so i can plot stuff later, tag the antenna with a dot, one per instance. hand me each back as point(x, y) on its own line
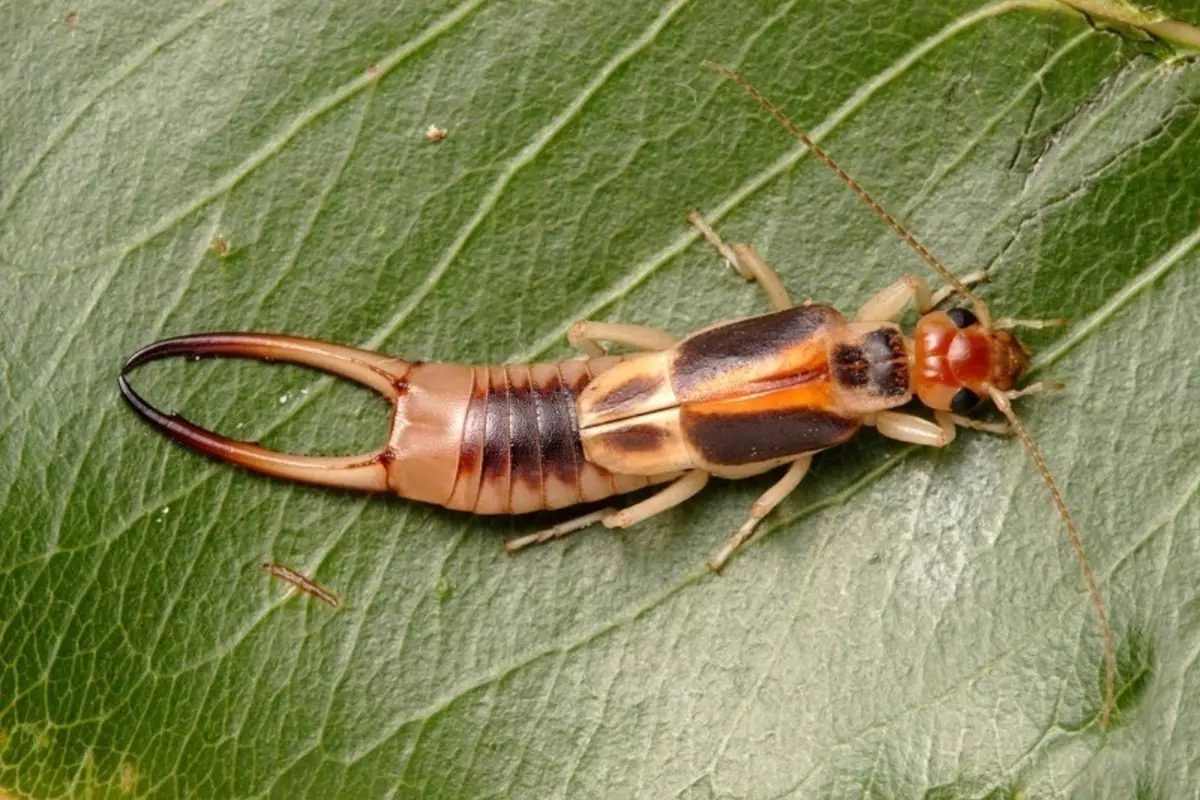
point(1089, 577)
point(814, 148)
point(998, 397)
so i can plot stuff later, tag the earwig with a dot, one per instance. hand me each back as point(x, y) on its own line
point(733, 400)
point(301, 582)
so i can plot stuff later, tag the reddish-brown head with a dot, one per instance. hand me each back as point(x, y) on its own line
point(957, 358)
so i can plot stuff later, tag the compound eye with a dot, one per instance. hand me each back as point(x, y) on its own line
point(963, 401)
point(962, 318)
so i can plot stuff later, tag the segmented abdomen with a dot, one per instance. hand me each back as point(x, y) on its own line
point(500, 439)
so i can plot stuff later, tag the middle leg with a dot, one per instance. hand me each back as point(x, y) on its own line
point(763, 506)
point(743, 260)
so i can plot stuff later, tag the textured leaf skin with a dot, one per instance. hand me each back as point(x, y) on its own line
point(911, 623)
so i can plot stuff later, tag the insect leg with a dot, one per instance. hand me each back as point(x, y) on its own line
point(762, 506)
point(1007, 323)
point(747, 263)
point(675, 493)
point(889, 303)
point(944, 293)
point(913, 429)
point(559, 530)
point(586, 335)
point(1036, 388)
point(998, 428)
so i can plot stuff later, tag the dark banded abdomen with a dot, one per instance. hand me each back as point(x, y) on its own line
point(501, 439)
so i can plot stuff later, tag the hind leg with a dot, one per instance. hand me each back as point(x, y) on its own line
point(676, 492)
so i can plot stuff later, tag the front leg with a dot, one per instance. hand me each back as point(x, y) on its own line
point(913, 429)
point(888, 305)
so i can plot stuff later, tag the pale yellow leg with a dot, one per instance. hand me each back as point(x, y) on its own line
point(888, 305)
point(586, 335)
point(762, 506)
point(916, 430)
point(747, 263)
point(559, 530)
point(944, 293)
point(998, 428)
point(675, 493)
point(1036, 388)
point(1007, 323)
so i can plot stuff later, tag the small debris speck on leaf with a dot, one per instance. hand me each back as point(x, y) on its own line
point(435, 134)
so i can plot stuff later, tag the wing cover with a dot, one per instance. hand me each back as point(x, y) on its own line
point(760, 389)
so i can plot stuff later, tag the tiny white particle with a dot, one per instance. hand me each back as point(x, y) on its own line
point(284, 398)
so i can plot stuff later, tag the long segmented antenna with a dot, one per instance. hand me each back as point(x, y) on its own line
point(998, 397)
point(814, 148)
point(1089, 577)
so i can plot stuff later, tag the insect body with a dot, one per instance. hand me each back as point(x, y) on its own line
point(734, 400)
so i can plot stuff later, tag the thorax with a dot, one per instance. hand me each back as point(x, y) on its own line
point(755, 391)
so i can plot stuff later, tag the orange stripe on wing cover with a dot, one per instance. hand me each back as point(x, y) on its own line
point(815, 395)
point(754, 355)
point(769, 425)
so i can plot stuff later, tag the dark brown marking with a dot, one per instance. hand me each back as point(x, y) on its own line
point(578, 387)
point(558, 431)
point(888, 355)
point(890, 379)
point(638, 388)
point(572, 397)
point(636, 438)
point(496, 453)
point(850, 366)
point(473, 425)
point(733, 440)
point(880, 363)
point(526, 459)
point(701, 358)
point(884, 344)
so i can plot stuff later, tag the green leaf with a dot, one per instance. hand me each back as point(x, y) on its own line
point(910, 622)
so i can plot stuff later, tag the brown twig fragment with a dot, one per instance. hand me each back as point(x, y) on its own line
point(301, 582)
